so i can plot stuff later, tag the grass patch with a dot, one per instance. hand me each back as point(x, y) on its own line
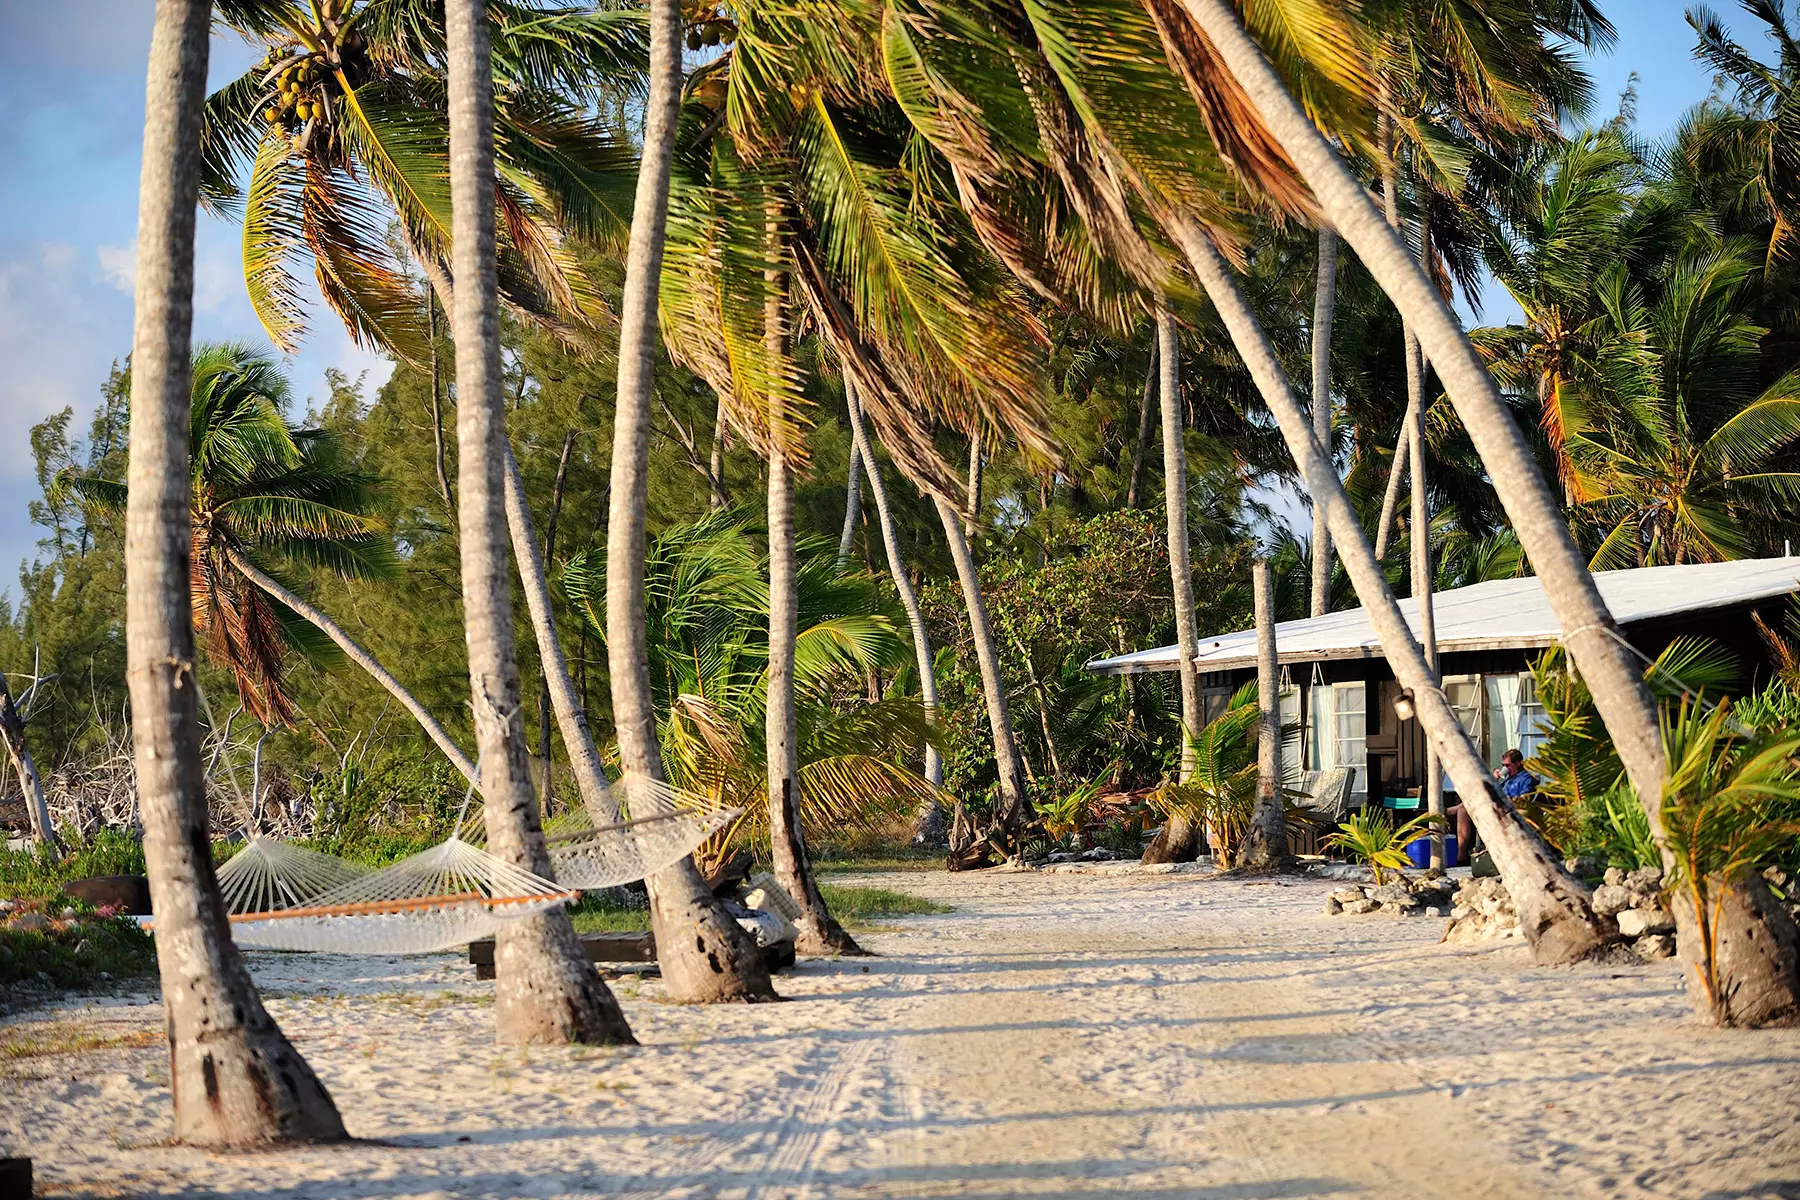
point(75, 952)
point(864, 907)
point(598, 912)
point(39, 1039)
point(40, 875)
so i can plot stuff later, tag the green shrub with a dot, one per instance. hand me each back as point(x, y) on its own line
point(75, 952)
point(40, 875)
point(1368, 837)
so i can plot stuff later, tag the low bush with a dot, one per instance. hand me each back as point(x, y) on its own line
point(72, 952)
point(40, 875)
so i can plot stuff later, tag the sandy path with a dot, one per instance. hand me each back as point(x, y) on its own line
point(1054, 1036)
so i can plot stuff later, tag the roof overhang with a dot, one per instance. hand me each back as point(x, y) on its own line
point(1501, 614)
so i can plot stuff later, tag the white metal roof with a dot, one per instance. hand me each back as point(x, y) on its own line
point(1502, 614)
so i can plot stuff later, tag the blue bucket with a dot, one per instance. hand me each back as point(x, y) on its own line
point(1420, 851)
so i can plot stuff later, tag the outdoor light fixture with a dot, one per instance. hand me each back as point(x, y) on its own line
point(1403, 707)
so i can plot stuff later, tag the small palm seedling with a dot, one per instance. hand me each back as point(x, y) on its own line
point(1731, 803)
point(1368, 837)
point(1065, 816)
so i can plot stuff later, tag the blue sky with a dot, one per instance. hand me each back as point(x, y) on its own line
point(72, 90)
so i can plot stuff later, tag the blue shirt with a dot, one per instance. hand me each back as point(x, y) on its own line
point(1522, 784)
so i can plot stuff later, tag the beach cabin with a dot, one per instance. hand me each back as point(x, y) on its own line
point(1337, 688)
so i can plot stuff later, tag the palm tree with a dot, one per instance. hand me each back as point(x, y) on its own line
point(1692, 467)
point(1014, 808)
point(709, 656)
point(1568, 232)
point(1324, 310)
point(909, 603)
point(1761, 129)
point(264, 493)
point(1158, 158)
point(342, 125)
point(704, 955)
point(546, 991)
point(1178, 840)
point(1593, 640)
point(236, 1079)
point(804, 187)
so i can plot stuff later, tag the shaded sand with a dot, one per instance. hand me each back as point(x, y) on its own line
point(1056, 1035)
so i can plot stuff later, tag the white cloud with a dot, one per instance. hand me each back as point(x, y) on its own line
point(215, 272)
point(118, 266)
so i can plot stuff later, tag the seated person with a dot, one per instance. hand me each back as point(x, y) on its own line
point(1516, 783)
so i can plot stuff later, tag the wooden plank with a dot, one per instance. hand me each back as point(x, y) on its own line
point(600, 947)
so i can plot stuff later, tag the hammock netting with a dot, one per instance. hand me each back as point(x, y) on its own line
point(449, 895)
point(659, 827)
point(269, 873)
point(286, 897)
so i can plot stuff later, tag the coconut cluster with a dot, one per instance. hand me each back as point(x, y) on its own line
point(707, 26)
point(300, 91)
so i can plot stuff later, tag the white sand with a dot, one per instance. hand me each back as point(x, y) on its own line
point(1056, 1035)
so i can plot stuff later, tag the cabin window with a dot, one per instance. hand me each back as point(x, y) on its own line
point(1515, 718)
point(1340, 720)
point(1292, 757)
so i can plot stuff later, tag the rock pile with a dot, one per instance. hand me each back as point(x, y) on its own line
point(1483, 912)
point(1397, 898)
point(1634, 899)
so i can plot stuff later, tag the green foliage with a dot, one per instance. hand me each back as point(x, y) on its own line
point(1101, 587)
point(1576, 763)
point(40, 874)
point(1731, 805)
point(1369, 837)
point(706, 620)
point(398, 807)
point(1613, 825)
point(75, 952)
point(859, 907)
point(603, 912)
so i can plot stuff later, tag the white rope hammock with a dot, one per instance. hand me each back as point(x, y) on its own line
point(269, 873)
point(449, 895)
point(285, 897)
point(661, 827)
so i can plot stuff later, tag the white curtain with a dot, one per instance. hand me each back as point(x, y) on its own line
point(1503, 713)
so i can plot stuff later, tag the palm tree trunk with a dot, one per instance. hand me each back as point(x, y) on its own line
point(37, 811)
point(1324, 310)
point(715, 467)
point(972, 522)
point(546, 991)
point(546, 792)
point(1390, 499)
point(1015, 807)
point(1145, 410)
point(1555, 910)
point(437, 412)
point(1421, 575)
point(1265, 841)
point(360, 657)
point(819, 931)
point(1592, 636)
point(930, 827)
point(1036, 684)
point(236, 1080)
point(852, 508)
point(705, 956)
point(1179, 839)
point(571, 714)
point(1414, 436)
